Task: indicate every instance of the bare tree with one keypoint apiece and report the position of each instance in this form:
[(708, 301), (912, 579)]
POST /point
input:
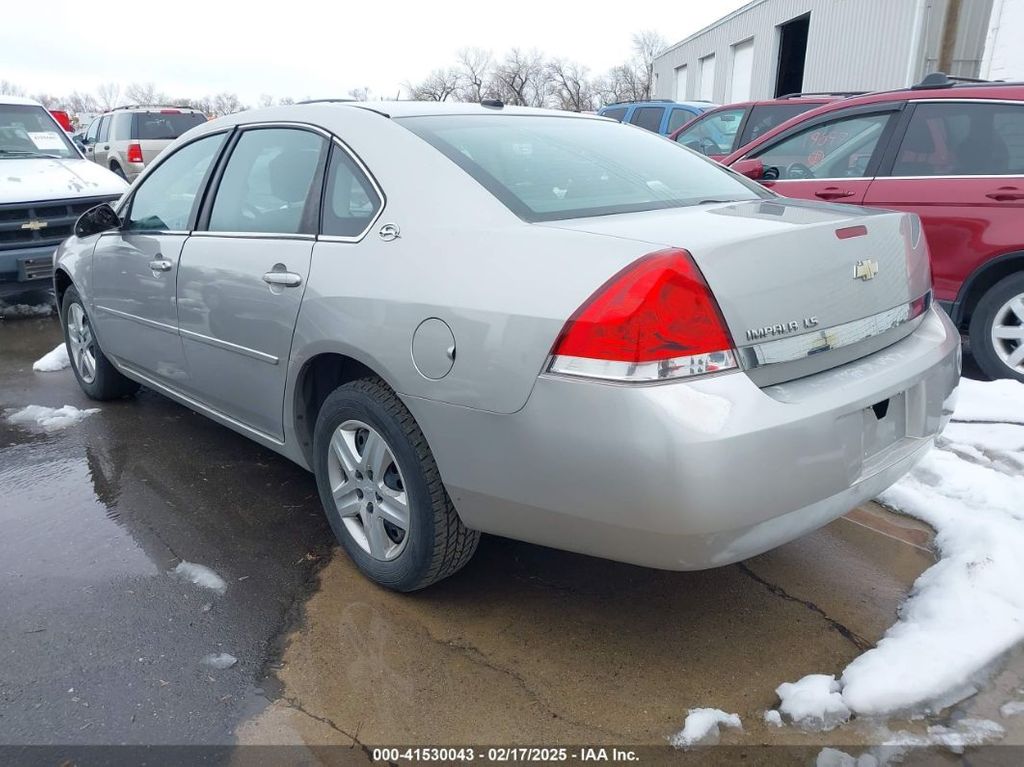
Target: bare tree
[(521, 79), (571, 86), (266, 100), (360, 94), (11, 89), (225, 104), (49, 101), (474, 72), (286, 101), (646, 46), (440, 85), (144, 94), (108, 95), (82, 102)]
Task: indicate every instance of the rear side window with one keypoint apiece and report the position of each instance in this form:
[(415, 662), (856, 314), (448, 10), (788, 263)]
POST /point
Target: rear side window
[(351, 201), (268, 182), (764, 118), (678, 119), (552, 168), (616, 114), (163, 126), (963, 139), (648, 118), (120, 128), (165, 198)]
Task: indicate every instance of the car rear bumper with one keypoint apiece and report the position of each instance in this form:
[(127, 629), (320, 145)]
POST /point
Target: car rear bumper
[(24, 269), (694, 475)]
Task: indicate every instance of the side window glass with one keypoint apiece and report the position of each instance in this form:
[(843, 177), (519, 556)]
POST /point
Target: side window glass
[(765, 117), (838, 149), (678, 119), (94, 129), (963, 139), (648, 118), (267, 182), (164, 199), (615, 114), (104, 125), (351, 201), (713, 134)]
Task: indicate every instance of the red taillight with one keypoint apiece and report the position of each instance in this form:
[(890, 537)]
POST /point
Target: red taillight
[(655, 319), (134, 153)]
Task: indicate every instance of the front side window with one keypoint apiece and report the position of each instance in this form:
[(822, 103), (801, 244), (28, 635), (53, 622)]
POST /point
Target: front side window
[(351, 201), (618, 113), (552, 168), (268, 182), (839, 149), (93, 131), (27, 130), (963, 139), (648, 118), (165, 198), (104, 128), (678, 119), (713, 134)]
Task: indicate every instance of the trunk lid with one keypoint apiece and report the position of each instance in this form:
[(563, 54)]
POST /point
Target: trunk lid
[(830, 283)]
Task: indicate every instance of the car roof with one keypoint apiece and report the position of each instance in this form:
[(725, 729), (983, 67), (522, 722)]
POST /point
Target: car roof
[(661, 103), (21, 100), (958, 91), (427, 108)]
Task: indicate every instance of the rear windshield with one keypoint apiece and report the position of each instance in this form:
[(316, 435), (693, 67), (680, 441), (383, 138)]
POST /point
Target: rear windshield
[(551, 168), (164, 125), (27, 130)]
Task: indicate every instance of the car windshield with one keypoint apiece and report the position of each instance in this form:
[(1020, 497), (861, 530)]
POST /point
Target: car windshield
[(551, 168), (164, 125), (27, 130)]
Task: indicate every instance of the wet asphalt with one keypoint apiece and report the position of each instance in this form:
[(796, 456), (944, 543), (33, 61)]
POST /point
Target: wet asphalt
[(99, 641)]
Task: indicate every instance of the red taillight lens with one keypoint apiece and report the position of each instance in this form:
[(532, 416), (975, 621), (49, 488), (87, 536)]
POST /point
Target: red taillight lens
[(656, 319), (134, 153)]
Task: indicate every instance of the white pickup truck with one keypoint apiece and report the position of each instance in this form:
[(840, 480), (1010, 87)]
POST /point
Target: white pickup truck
[(45, 185)]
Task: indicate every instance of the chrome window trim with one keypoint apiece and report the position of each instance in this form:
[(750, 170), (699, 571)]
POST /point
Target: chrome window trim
[(798, 347), (950, 176), (228, 346), (253, 235), (376, 188)]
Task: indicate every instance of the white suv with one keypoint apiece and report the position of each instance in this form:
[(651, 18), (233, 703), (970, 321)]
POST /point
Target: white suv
[(45, 185)]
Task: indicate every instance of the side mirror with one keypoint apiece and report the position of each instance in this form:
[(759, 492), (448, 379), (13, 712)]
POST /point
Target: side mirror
[(102, 218), (750, 168)]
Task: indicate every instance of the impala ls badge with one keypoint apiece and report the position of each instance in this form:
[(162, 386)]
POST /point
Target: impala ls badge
[(35, 225), (865, 270)]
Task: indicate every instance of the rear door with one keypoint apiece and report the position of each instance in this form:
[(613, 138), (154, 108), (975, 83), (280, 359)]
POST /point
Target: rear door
[(960, 166), (242, 276), (833, 158)]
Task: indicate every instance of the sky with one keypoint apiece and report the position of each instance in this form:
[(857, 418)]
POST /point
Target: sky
[(194, 48)]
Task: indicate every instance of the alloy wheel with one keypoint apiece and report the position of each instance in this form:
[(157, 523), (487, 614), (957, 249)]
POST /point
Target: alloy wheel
[(82, 343), (1008, 334), (368, 490)]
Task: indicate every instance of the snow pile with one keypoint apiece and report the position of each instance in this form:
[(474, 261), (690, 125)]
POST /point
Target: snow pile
[(968, 608), (833, 757), (701, 727), (201, 575), (1013, 708), (52, 361), (219, 660), (10, 311), (773, 718), (964, 733), (814, 703), (50, 418)]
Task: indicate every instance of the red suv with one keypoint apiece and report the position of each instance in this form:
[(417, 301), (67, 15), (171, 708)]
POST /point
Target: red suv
[(951, 152), (720, 131)]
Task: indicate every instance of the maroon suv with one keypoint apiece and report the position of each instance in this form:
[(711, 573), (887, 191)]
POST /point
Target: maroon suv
[(951, 152)]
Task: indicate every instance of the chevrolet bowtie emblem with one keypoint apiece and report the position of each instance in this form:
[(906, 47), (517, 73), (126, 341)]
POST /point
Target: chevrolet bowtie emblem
[(865, 270), (35, 225)]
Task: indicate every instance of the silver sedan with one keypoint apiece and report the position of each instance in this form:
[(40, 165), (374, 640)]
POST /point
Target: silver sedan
[(551, 327)]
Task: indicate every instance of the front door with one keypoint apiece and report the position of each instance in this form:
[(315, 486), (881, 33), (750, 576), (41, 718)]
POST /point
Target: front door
[(830, 160), (241, 280), (135, 268), (960, 167)]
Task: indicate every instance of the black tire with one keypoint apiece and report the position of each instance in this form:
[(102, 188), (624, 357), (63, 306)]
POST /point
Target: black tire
[(107, 382), (980, 330), (117, 170), (438, 544)]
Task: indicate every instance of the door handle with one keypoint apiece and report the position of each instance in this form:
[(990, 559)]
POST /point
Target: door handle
[(161, 265), (833, 193), (285, 279), (1006, 193)]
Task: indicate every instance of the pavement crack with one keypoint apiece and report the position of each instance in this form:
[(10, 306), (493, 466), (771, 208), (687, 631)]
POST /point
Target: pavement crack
[(849, 634), (296, 704)]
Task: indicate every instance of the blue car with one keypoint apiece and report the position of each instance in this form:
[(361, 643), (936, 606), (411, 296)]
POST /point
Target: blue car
[(662, 116)]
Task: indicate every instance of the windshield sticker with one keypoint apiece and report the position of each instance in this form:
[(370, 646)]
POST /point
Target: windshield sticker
[(46, 139)]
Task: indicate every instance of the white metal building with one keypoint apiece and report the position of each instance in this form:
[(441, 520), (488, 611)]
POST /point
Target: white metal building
[(770, 48)]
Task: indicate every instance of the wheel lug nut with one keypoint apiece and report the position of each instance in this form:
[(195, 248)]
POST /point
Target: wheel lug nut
[(359, 475)]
